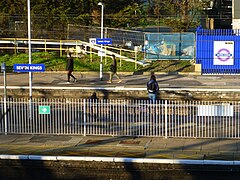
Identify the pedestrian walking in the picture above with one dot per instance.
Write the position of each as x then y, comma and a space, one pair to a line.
113, 70
152, 87
69, 68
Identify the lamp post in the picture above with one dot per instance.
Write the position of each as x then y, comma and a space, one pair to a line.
30, 59
101, 54
29, 49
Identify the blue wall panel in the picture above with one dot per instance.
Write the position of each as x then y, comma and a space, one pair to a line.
205, 50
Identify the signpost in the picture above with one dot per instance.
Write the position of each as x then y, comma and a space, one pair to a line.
29, 68
3, 69
102, 41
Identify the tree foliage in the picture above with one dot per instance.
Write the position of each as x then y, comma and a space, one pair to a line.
180, 15
55, 15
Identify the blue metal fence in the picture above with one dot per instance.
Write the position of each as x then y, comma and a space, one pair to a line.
206, 42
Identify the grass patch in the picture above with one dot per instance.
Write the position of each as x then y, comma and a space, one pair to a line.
53, 62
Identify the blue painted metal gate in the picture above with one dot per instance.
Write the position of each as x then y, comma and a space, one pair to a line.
206, 42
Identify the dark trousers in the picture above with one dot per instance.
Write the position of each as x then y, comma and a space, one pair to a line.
69, 74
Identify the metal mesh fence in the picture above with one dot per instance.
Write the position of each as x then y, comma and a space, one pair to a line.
121, 37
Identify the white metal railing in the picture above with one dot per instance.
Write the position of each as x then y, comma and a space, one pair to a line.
188, 119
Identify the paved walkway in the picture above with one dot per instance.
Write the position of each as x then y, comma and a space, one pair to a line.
132, 147
140, 147
128, 80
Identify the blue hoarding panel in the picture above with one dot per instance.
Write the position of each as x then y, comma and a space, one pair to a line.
29, 67
169, 46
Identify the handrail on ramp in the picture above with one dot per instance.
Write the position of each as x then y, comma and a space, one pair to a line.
98, 48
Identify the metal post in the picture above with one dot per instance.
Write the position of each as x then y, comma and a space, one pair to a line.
45, 45
15, 46
91, 52
135, 59
30, 60
84, 118
166, 117
120, 57
5, 96
60, 48
101, 63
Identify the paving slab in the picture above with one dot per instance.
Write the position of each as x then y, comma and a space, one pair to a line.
171, 148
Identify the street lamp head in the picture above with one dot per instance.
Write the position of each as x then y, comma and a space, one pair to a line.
100, 4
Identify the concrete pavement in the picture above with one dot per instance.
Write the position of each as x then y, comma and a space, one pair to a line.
131, 147
165, 80
185, 86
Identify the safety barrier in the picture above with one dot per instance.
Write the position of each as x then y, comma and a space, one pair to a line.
187, 119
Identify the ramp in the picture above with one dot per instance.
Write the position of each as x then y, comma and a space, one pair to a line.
76, 47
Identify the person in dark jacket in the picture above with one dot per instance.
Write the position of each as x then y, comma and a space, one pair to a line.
69, 68
93, 96
152, 87
113, 70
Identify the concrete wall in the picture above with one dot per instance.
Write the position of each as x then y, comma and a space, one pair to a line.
28, 169
169, 94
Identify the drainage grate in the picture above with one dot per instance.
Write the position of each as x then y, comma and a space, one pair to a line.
94, 141
129, 142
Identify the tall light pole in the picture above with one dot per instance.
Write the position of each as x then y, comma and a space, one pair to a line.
29, 49
101, 54
30, 60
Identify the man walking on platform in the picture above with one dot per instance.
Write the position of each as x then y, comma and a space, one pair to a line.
113, 70
69, 68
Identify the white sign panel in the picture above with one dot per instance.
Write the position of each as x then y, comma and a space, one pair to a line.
215, 110
236, 24
223, 53
101, 53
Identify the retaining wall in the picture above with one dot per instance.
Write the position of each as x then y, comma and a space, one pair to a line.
28, 169
170, 94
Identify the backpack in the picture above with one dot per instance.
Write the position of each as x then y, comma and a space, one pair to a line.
152, 86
